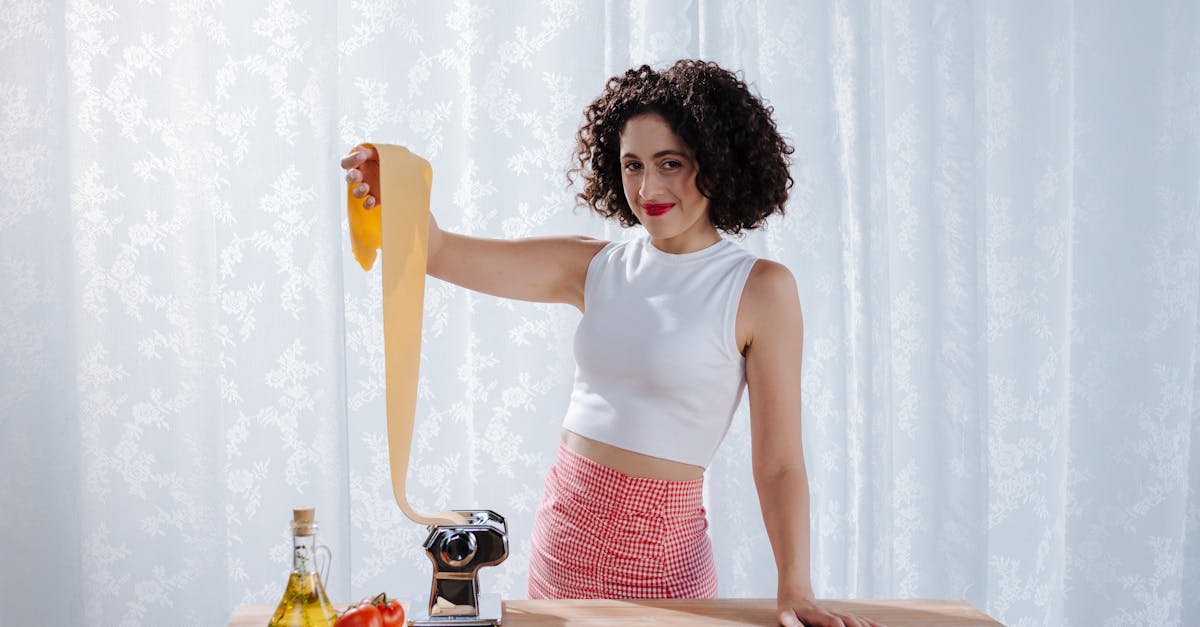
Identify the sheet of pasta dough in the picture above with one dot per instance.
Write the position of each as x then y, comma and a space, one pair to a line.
401, 231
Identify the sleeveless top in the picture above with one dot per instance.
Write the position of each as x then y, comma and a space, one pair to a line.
658, 370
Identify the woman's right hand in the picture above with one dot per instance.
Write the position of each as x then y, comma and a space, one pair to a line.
362, 167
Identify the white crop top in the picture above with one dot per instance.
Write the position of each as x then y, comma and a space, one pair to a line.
658, 370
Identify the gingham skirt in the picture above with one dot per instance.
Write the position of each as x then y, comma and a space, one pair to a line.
602, 534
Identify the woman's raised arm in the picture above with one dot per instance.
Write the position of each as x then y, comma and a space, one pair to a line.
538, 269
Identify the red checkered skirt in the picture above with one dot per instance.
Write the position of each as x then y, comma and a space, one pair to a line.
602, 534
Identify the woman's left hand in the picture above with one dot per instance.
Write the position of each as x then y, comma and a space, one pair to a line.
803, 611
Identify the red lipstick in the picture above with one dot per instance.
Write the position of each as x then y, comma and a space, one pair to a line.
657, 209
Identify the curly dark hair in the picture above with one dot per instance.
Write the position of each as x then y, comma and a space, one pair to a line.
742, 158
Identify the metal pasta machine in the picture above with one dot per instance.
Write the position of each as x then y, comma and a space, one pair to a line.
457, 553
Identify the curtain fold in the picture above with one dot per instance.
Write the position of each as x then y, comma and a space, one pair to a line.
995, 230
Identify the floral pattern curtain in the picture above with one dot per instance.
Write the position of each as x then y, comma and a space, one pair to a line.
994, 229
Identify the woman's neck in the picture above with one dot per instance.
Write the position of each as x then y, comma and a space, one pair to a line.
687, 242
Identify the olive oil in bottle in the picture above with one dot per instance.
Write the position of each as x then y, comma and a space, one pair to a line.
304, 602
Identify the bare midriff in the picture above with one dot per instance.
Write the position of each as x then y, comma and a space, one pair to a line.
629, 462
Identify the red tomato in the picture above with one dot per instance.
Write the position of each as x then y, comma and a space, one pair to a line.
366, 615
392, 612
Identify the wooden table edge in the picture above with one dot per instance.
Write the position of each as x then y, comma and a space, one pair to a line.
728, 612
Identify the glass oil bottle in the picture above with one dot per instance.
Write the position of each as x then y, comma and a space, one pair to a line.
304, 602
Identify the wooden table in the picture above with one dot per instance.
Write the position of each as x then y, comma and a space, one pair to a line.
723, 612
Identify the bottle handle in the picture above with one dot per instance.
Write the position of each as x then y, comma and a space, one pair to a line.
328, 558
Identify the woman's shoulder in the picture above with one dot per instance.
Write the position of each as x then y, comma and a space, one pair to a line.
589, 247
580, 247
586, 242
769, 303
770, 288
586, 251
769, 276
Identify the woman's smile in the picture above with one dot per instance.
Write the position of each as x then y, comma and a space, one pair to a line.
658, 208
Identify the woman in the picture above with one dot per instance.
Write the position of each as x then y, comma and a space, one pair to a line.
676, 324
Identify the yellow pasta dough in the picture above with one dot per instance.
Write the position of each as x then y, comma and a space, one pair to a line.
403, 235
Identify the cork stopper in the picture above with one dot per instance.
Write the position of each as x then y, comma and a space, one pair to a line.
302, 521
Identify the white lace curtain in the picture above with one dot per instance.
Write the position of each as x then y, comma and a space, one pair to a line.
994, 229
